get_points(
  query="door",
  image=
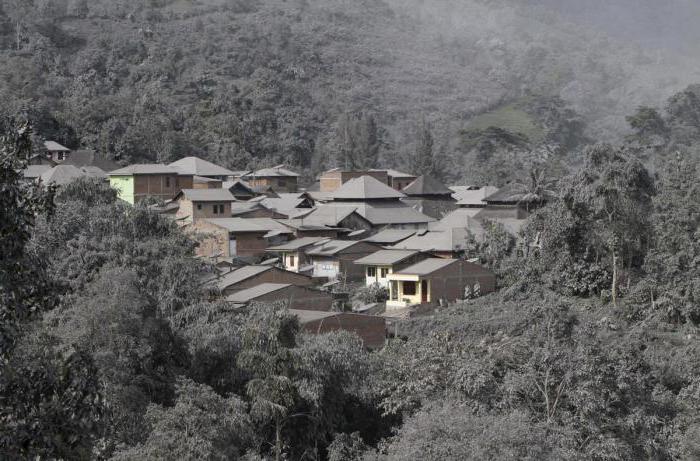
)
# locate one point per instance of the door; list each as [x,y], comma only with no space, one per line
[232,247]
[424,291]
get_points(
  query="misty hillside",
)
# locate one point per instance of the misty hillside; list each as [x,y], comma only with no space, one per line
[249,82]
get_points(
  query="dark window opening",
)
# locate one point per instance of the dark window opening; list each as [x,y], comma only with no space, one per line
[409,288]
[371,271]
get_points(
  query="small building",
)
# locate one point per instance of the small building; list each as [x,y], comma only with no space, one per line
[195,166]
[136,182]
[436,280]
[56,152]
[293,253]
[331,218]
[253,209]
[331,180]
[289,204]
[197,204]
[429,196]
[370,328]
[379,265]
[296,297]
[238,237]
[398,180]
[244,277]
[89,158]
[334,259]
[279,178]
[472,196]
[390,236]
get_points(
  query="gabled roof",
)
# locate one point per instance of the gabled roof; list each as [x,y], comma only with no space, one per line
[285,203]
[206,195]
[204,180]
[365,188]
[325,216]
[473,196]
[297,244]
[53,146]
[330,247]
[200,167]
[238,275]
[239,208]
[386,257]
[238,186]
[86,157]
[391,213]
[461,217]
[144,168]
[252,293]
[241,225]
[390,236]
[447,240]
[427,266]
[276,171]
[426,185]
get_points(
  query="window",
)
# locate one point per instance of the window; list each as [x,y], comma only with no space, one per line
[384,272]
[167,181]
[291,260]
[281,182]
[394,290]
[199,206]
[221,209]
[409,288]
[371,271]
[218,209]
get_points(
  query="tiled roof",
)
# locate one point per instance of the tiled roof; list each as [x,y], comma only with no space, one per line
[200,167]
[365,188]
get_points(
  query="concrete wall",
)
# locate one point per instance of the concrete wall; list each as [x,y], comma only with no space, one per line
[124,186]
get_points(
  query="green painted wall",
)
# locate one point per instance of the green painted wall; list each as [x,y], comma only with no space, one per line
[124,186]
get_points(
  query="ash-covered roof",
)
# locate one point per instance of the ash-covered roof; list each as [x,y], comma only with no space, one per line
[207,195]
[426,185]
[427,266]
[144,168]
[365,188]
[386,257]
[200,167]
[252,293]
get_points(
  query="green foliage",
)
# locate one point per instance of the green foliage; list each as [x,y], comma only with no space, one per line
[201,425]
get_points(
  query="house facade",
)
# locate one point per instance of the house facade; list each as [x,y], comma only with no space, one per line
[195,204]
[136,182]
[434,280]
[278,178]
[237,237]
[378,266]
[334,259]
[293,253]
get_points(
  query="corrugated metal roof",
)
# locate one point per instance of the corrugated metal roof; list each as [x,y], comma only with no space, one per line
[365,188]
[386,257]
[144,168]
[62,174]
[252,293]
[440,240]
[470,196]
[53,146]
[383,213]
[276,171]
[200,167]
[331,247]
[296,244]
[249,225]
[238,275]
[305,316]
[388,236]
[427,266]
[207,195]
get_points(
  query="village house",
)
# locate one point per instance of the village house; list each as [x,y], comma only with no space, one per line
[293,253]
[472,196]
[201,182]
[371,329]
[56,152]
[244,277]
[136,182]
[289,204]
[331,180]
[195,204]
[330,217]
[378,204]
[240,189]
[195,166]
[446,243]
[429,196]
[437,280]
[380,264]
[253,209]
[295,297]
[237,237]
[334,259]
[86,158]
[278,178]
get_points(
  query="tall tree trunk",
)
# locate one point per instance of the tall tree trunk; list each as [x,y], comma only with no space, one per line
[614,280]
[18,29]
[278,440]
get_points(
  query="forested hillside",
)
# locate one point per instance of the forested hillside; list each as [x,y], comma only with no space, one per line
[246,82]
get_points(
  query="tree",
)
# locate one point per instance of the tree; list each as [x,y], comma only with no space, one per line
[360,141]
[424,160]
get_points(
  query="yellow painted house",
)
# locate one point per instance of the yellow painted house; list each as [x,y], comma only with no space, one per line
[379,265]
